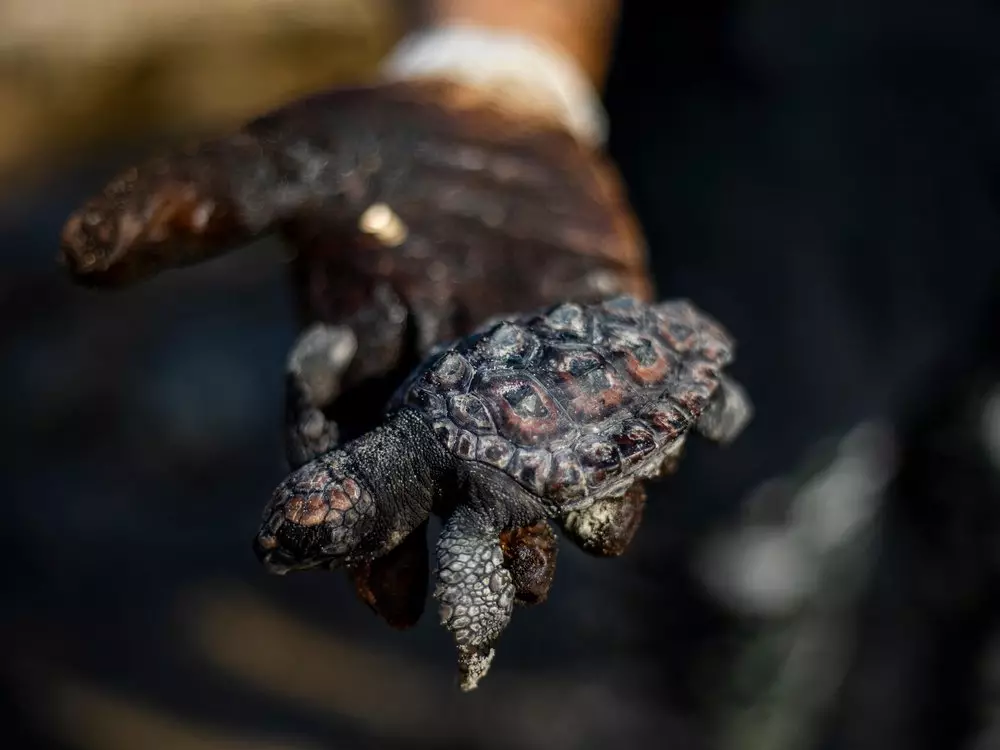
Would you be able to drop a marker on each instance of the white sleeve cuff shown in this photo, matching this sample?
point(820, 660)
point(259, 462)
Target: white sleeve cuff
point(537, 74)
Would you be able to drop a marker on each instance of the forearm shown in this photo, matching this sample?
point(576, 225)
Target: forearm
point(547, 58)
point(583, 29)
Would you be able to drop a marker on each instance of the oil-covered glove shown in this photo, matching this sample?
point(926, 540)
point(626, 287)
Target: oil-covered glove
point(417, 208)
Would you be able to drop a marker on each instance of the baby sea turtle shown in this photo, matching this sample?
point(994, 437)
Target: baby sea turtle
point(555, 415)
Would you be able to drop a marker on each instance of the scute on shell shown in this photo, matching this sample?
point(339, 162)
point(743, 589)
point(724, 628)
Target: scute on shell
point(569, 319)
point(469, 411)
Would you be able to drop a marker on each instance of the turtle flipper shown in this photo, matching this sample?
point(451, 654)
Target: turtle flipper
point(606, 528)
point(727, 414)
point(475, 591)
point(316, 367)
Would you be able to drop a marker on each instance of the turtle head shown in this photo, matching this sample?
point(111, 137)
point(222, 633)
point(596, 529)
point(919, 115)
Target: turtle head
point(317, 517)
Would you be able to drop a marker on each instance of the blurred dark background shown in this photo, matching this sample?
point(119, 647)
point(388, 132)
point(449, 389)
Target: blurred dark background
point(822, 177)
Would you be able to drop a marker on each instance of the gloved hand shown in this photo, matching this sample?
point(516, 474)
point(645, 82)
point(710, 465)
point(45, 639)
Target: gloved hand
point(417, 210)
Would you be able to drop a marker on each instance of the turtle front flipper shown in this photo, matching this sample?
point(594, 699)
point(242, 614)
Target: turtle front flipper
point(727, 414)
point(475, 591)
point(316, 367)
point(180, 209)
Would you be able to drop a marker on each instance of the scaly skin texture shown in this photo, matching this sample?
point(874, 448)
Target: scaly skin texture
point(415, 211)
point(554, 415)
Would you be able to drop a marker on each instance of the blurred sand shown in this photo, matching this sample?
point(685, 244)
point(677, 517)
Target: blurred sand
point(78, 75)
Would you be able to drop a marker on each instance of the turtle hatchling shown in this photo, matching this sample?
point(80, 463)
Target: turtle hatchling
point(557, 415)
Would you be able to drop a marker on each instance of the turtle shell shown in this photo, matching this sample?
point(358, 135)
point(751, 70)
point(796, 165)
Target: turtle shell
point(576, 402)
